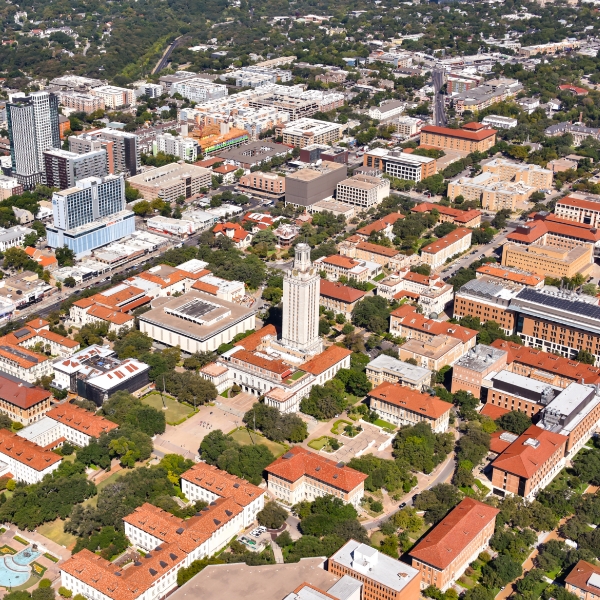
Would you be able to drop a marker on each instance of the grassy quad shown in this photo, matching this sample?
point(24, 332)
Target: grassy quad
point(176, 411)
point(245, 438)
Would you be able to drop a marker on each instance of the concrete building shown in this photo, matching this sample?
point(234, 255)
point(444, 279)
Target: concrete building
point(265, 185)
point(548, 260)
point(196, 322)
point(434, 353)
point(575, 413)
point(437, 253)
point(363, 191)
point(90, 215)
point(25, 461)
point(382, 577)
point(486, 95)
point(529, 464)
point(300, 329)
point(198, 89)
point(339, 298)
point(9, 186)
point(488, 300)
point(63, 169)
point(387, 110)
point(513, 392)
point(305, 131)
point(205, 482)
point(579, 207)
point(312, 184)
point(32, 128)
point(171, 181)
point(253, 154)
point(450, 546)
point(387, 369)
point(122, 148)
point(182, 147)
point(408, 127)
point(81, 102)
point(399, 164)
point(178, 227)
point(473, 137)
point(470, 370)
point(301, 475)
point(113, 96)
point(401, 406)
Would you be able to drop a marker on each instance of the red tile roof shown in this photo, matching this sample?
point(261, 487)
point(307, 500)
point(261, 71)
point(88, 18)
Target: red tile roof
point(275, 365)
point(377, 249)
point(459, 216)
point(445, 542)
point(380, 224)
point(579, 203)
point(26, 452)
point(20, 395)
point(579, 91)
point(254, 340)
point(454, 236)
point(473, 136)
point(411, 319)
point(341, 292)
point(580, 575)
point(492, 411)
point(340, 261)
point(81, 420)
point(550, 363)
point(239, 233)
point(327, 359)
point(409, 399)
point(529, 279)
point(222, 483)
point(298, 462)
point(523, 458)
point(497, 445)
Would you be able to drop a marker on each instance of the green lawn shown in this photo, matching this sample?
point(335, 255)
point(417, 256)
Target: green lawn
point(54, 531)
point(175, 413)
point(244, 437)
point(338, 426)
point(370, 286)
point(379, 277)
point(384, 424)
point(319, 443)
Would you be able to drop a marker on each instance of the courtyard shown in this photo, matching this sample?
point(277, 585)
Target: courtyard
point(175, 412)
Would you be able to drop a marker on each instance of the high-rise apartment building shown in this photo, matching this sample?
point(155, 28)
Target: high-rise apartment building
point(301, 304)
point(122, 149)
point(90, 215)
point(182, 147)
point(32, 128)
point(63, 169)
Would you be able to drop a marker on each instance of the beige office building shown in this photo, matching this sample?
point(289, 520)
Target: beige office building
point(549, 261)
point(171, 181)
point(363, 190)
point(306, 131)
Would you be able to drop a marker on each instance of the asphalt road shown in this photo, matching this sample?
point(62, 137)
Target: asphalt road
point(444, 474)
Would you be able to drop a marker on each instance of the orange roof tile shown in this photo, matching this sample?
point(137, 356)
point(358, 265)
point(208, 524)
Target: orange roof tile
point(454, 236)
point(529, 279)
point(37, 323)
point(275, 365)
point(409, 399)
point(473, 136)
point(492, 411)
point(579, 203)
point(550, 363)
point(459, 216)
point(523, 458)
point(377, 249)
point(222, 483)
point(340, 292)
point(205, 287)
point(239, 233)
point(21, 395)
point(112, 316)
point(327, 359)
point(298, 462)
point(343, 262)
point(580, 575)
point(380, 224)
point(26, 452)
point(81, 420)
point(498, 445)
point(254, 340)
point(411, 319)
point(444, 542)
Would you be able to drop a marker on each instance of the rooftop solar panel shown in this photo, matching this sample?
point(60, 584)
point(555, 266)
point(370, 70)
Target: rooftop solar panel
point(564, 304)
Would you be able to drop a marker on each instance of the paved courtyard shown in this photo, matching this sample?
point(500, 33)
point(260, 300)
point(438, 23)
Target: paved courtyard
point(237, 406)
point(185, 438)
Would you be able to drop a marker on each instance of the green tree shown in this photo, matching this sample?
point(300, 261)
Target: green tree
point(272, 515)
point(372, 313)
point(514, 421)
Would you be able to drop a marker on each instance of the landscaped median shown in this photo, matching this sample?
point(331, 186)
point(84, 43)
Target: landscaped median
point(325, 443)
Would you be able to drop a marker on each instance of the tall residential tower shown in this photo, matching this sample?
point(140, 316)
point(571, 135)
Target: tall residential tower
point(32, 128)
point(301, 304)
